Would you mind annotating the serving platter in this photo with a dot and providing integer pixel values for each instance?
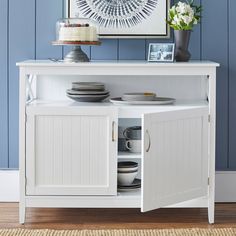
(156, 101)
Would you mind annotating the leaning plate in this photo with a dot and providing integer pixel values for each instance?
(156, 101)
(88, 98)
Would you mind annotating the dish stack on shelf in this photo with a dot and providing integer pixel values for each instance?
(87, 92)
(127, 173)
(146, 98)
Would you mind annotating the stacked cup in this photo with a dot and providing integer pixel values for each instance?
(133, 138)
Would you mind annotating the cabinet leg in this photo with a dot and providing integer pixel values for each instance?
(21, 214)
(211, 212)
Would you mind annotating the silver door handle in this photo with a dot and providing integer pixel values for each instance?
(149, 141)
(113, 131)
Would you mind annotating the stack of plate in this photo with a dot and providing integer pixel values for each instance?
(87, 92)
(127, 171)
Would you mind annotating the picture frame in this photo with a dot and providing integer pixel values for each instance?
(161, 52)
(148, 25)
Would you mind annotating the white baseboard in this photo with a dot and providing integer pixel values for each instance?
(9, 186)
(225, 186)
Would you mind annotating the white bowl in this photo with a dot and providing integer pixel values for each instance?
(127, 169)
(126, 178)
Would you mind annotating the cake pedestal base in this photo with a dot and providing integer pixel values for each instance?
(76, 55)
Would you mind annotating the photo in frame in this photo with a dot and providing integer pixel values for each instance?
(161, 52)
(124, 18)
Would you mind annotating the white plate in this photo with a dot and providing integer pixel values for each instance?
(157, 101)
(120, 169)
(77, 92)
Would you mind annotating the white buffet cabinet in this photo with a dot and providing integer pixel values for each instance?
(68, 150)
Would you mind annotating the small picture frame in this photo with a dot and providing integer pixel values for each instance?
(161, 52)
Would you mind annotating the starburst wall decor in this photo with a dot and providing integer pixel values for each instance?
(124, 18)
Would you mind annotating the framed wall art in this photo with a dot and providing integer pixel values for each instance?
(124, 18)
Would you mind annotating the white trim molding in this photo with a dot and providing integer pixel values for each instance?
(9, 186)
(225, 189)
(226, 186)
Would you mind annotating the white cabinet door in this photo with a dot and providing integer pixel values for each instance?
(71, 152)
(175, 157)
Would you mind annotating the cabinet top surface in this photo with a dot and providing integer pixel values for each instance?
(135, 63)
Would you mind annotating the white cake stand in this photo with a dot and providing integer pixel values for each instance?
(76, 54)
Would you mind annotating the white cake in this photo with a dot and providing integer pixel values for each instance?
(78, 32)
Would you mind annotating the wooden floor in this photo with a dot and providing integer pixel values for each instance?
(115, 218)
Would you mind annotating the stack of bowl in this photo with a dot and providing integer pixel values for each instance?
(87, 92)
(127, 172)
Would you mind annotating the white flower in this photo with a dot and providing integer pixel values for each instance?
(177, 20)
(182, 16)
(173, 8)
(189, 9)
(187, 19)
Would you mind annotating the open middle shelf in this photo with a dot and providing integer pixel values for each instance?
(129, 155)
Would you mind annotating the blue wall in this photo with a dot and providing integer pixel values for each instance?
(28, 27)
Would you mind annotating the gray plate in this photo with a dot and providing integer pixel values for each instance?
(127, 189)
(139, 96)
(87, 98)
(76, 92)
(135, 184)
(88, 86)
(157, 101)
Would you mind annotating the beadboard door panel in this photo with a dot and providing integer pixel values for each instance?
(47, 14)
(175, 157)
(232, 85)
(21, 47)
(75, 152)
(4, 84)
(214, 46)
